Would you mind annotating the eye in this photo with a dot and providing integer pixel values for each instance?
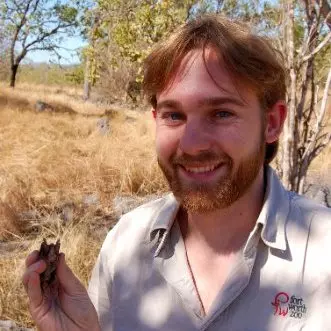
(223, 114)
(172, 117)
(175, 116)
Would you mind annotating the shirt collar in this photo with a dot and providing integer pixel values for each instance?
(274, 212)
(166, 214)
(164, 220)
(272, 217)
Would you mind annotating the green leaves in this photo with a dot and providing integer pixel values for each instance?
(66, 14)
(38, 25)
(134, 27)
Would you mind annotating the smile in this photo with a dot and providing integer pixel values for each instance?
(201, 169)
(207, 168)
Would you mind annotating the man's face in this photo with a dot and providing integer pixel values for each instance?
(209, 134)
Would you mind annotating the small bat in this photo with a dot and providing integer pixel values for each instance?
(50, 254)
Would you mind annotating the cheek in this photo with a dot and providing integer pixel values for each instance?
(231, 139)
(166, 142)
(238, 141)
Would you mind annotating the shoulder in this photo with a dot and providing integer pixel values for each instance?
(311, 232)
(312, 221)
(310, 211)
(134, 228)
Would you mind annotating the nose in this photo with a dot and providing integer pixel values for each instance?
(195, 138)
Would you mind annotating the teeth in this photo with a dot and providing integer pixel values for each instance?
(201, 169)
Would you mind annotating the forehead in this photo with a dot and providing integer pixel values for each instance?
(204, 72)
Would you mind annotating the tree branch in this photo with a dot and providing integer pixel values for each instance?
(319, 147)
(48, 34)
(326, 93)
(320, 117)
(18, 29)
(35, 7)
(325, 9)
(318, 48)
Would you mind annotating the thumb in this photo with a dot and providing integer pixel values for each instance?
(69, 282)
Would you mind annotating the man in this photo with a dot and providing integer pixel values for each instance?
(230, 248)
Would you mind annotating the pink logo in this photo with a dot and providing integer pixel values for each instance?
(281, 304)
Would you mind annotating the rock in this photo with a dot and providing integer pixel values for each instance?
(103, 126)
(41, 106)
(124, 204)
(67, 213)
(29, 215)
(12, 247)
(323, 196)
(130, 119)
(91, 199)
(11, 326)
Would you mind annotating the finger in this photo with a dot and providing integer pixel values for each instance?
(37, 267)
(32, 258)
(34, 290)
(31, 281)
(69, 282)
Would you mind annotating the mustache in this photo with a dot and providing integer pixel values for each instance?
(204, 157)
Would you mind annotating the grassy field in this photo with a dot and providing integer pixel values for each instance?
(52, 164)
(59, 176)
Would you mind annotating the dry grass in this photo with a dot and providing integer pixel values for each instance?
(81, 250)
(50, 163)
(63, 99)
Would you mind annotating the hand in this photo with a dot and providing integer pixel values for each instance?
(65, 305)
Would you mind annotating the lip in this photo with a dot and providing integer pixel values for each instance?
(201, 168)
(203, 176)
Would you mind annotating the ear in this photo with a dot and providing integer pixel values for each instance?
(275, 118)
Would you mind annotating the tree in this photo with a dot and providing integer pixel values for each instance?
(32, 25)
(124, 35)
(92, 20)
(127, 30)
(300, 31)
(3, 53)
(306, 46)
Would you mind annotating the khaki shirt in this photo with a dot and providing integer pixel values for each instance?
(280, 281)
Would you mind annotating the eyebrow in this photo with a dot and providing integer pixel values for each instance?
(169, 104)
(216, 101)
(212, 101)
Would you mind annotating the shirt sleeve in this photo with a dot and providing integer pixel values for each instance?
(100, 285)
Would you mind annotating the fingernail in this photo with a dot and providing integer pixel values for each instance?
(39, 264)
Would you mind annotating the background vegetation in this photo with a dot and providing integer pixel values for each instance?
(66, 169)
(59, 177)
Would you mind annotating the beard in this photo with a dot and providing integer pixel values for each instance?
(208, 197)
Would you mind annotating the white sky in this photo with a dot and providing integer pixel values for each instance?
(69, 54)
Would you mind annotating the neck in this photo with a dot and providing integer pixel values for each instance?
(226, 230)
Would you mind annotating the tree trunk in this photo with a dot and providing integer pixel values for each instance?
(87, 84)
(289, 125)
(13, 73)
(89, 78)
